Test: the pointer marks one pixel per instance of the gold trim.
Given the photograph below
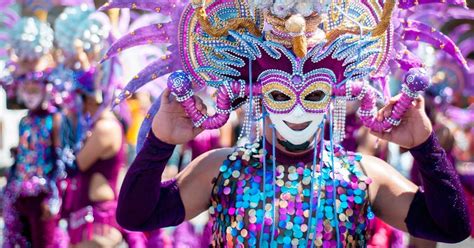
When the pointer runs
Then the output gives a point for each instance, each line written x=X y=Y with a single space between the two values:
x=383 y=25
x=42 y=15
x=312 y=22
x=233 y=24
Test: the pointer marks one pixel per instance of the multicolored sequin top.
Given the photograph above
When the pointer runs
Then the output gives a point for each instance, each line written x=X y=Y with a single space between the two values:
x=35 y=159
x=237 y=207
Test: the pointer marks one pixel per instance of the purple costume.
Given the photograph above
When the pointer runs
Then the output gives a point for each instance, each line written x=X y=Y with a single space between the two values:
x=161 y=198
x=32 y=184
x=426 y=218
x=85 y=216
x=236 y=208
x=278 y=58
x=204 y=142
x=441 y=189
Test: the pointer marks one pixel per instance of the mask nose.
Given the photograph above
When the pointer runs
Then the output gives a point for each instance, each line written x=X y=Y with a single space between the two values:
x=299 y=112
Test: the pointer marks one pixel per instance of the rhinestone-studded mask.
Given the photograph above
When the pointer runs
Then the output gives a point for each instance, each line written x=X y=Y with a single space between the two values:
x=282 y=92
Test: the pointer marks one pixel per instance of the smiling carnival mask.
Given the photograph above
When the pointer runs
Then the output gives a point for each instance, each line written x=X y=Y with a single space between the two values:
x=296 y=103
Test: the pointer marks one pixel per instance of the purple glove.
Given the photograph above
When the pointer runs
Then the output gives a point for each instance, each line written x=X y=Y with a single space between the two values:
x=438 y=211
x=145 y=203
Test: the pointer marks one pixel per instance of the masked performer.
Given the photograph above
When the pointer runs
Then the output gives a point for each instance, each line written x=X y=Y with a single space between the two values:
x=32 y=200
x=91 y=196
x=92 y=218
x=452 y=85
x=295 y=64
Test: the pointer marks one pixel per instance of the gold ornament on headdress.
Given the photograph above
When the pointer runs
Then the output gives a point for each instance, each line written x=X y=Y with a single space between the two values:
x=297 y=27
x=382 y=26
x=335 y=33
x=114 y=15
x=42 y=15
x=379 y=30
x=234 y=24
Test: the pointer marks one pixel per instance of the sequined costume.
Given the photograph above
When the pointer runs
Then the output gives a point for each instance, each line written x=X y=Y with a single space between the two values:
x=35 y=135
x=31 y=186
x=288 y=62
x=32 y=183
x=237 y=204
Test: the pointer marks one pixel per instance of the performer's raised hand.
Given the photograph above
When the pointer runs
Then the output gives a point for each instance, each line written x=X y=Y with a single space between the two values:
x=171 y=124
x=46 y=213
x=414 y=129
x=81 y=55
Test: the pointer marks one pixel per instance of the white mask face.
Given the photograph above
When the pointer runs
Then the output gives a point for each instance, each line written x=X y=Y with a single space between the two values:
x=298 y=126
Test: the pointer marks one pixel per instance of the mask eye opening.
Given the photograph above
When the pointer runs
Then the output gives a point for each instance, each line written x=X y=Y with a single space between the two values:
x=315 y=96
x=279 y=96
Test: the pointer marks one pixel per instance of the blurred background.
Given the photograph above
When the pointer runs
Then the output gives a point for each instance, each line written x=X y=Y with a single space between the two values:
x=79 y=40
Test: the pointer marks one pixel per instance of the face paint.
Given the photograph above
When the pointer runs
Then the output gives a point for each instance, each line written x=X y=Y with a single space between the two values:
x=297 y=104
x=32 y=102
x=32 y=95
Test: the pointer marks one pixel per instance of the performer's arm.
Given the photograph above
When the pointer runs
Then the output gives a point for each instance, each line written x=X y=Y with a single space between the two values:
x=145 y=203
x=52 y=203
x=12 y=171
x=103 y=139
x=56 y=143
x=438 y=210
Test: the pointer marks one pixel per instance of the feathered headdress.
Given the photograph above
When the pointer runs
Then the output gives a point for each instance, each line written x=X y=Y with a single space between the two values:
x=81 y=23
x=227 y=44
x=31 y=38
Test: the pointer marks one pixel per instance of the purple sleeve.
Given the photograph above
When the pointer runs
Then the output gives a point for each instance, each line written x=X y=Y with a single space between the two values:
x=438 y=211
x=145 y=203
